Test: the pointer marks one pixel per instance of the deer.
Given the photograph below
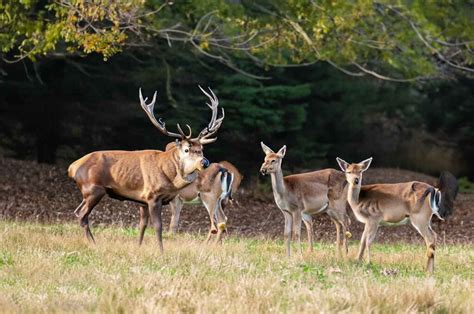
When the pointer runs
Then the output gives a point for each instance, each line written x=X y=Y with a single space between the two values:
x=214 y=186
x=384 y=204
x=304 y=195
x=148 y=177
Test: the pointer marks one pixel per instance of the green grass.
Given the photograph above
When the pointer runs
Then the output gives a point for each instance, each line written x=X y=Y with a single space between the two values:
x=51 y=268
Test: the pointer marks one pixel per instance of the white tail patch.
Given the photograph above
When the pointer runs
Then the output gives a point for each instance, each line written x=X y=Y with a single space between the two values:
x=226 y=187
x=226 y=184
x=435 y=200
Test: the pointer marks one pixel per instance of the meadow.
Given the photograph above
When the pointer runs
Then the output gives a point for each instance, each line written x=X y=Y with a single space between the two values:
x=51 y=268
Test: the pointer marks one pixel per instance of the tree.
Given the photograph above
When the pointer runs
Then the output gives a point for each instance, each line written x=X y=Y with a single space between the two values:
x=406 y=41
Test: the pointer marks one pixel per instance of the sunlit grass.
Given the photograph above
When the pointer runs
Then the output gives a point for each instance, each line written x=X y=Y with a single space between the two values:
x=51 y=268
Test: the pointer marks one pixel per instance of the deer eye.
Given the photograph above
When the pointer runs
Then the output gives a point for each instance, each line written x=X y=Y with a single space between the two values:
x=186 y=150
x=273 y=161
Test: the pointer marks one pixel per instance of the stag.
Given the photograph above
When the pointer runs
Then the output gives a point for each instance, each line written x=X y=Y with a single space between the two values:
x=149 y=177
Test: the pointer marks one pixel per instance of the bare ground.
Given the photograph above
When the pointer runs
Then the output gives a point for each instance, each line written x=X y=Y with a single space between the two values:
x=43 y=193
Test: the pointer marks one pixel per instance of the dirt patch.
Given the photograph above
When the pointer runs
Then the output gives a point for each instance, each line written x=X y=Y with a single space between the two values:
x=44 y=193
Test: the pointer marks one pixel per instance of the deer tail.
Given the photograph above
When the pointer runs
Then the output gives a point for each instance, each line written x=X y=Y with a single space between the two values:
x=227 y=178
x=434 y=200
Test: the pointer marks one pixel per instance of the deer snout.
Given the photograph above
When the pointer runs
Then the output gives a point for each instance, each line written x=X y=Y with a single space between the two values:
x=263 y=171
x=205 y=162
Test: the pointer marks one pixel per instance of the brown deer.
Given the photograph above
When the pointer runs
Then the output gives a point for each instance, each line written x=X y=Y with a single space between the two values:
x=301 y=196
x=214 y=186
x=378 y=204
x=150 y=177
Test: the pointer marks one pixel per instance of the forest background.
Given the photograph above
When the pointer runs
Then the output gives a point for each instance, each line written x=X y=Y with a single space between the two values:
x=387 y=79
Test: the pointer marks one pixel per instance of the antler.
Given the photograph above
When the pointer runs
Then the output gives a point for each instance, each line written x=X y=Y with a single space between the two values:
x=215 y=122
x=161 y=125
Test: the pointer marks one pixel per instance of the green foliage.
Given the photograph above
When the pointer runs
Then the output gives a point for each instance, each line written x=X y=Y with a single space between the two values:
x=465 y=185
x=33 y=28
x=408 y=40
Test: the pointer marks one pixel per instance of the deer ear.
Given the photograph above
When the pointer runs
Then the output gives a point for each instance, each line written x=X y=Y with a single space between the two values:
x=342 y=164
x=365 y=164
x=267 y=150
x=282 y=151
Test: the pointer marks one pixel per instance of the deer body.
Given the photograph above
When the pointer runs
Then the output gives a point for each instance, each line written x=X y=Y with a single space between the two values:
x=149 y=177
x=134 y=175
x=212 y=187
x=376 y=204
x=305 y=191
x=301 y=196
x=403 y=200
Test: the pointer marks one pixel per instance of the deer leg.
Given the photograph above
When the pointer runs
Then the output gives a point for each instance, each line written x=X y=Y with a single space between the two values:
x=373 y=226
x=212 y=228
x=346 y=233
x=308 y=222
x=144 y=216
x=422 y=225
x=287 y=233
x=297 y=219
x=92 y=199
x=362 y=243
x=154 y=208
x=338 y=236
x=79 y=208
x=219 y=236
x=222 y=219
x=343 y=221
x=175 y=205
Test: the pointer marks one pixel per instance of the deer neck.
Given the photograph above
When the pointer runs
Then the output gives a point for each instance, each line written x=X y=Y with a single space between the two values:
x=181 y=179
x=279 y=188
x=353 y=193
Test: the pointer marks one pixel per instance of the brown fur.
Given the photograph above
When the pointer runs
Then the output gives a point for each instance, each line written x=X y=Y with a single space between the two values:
x=208 y=187
x=300 y=196
x=390 y=203
x=149 y=177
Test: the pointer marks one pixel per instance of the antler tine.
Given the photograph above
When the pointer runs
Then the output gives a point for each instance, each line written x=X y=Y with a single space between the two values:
x=215 y=122
x=211 y=129
x=214 y=104
x=159 y=124
x=182 y=133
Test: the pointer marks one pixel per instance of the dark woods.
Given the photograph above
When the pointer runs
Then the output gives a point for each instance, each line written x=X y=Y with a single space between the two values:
x=70 y=73
x=61 y=108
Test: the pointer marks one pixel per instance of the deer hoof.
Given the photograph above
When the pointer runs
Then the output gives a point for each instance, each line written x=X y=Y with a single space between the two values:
x=221 y=226
x=348 y=234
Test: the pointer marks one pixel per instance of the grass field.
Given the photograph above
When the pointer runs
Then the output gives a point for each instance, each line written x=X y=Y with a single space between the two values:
x=51 y=268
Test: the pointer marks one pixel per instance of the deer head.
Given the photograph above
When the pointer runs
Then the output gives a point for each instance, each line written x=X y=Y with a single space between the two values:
x=189 y=149
x=354 y=171
x=272 y=161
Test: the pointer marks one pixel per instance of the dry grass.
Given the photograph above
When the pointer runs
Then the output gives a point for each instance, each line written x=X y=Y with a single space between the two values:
x=51 y=268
